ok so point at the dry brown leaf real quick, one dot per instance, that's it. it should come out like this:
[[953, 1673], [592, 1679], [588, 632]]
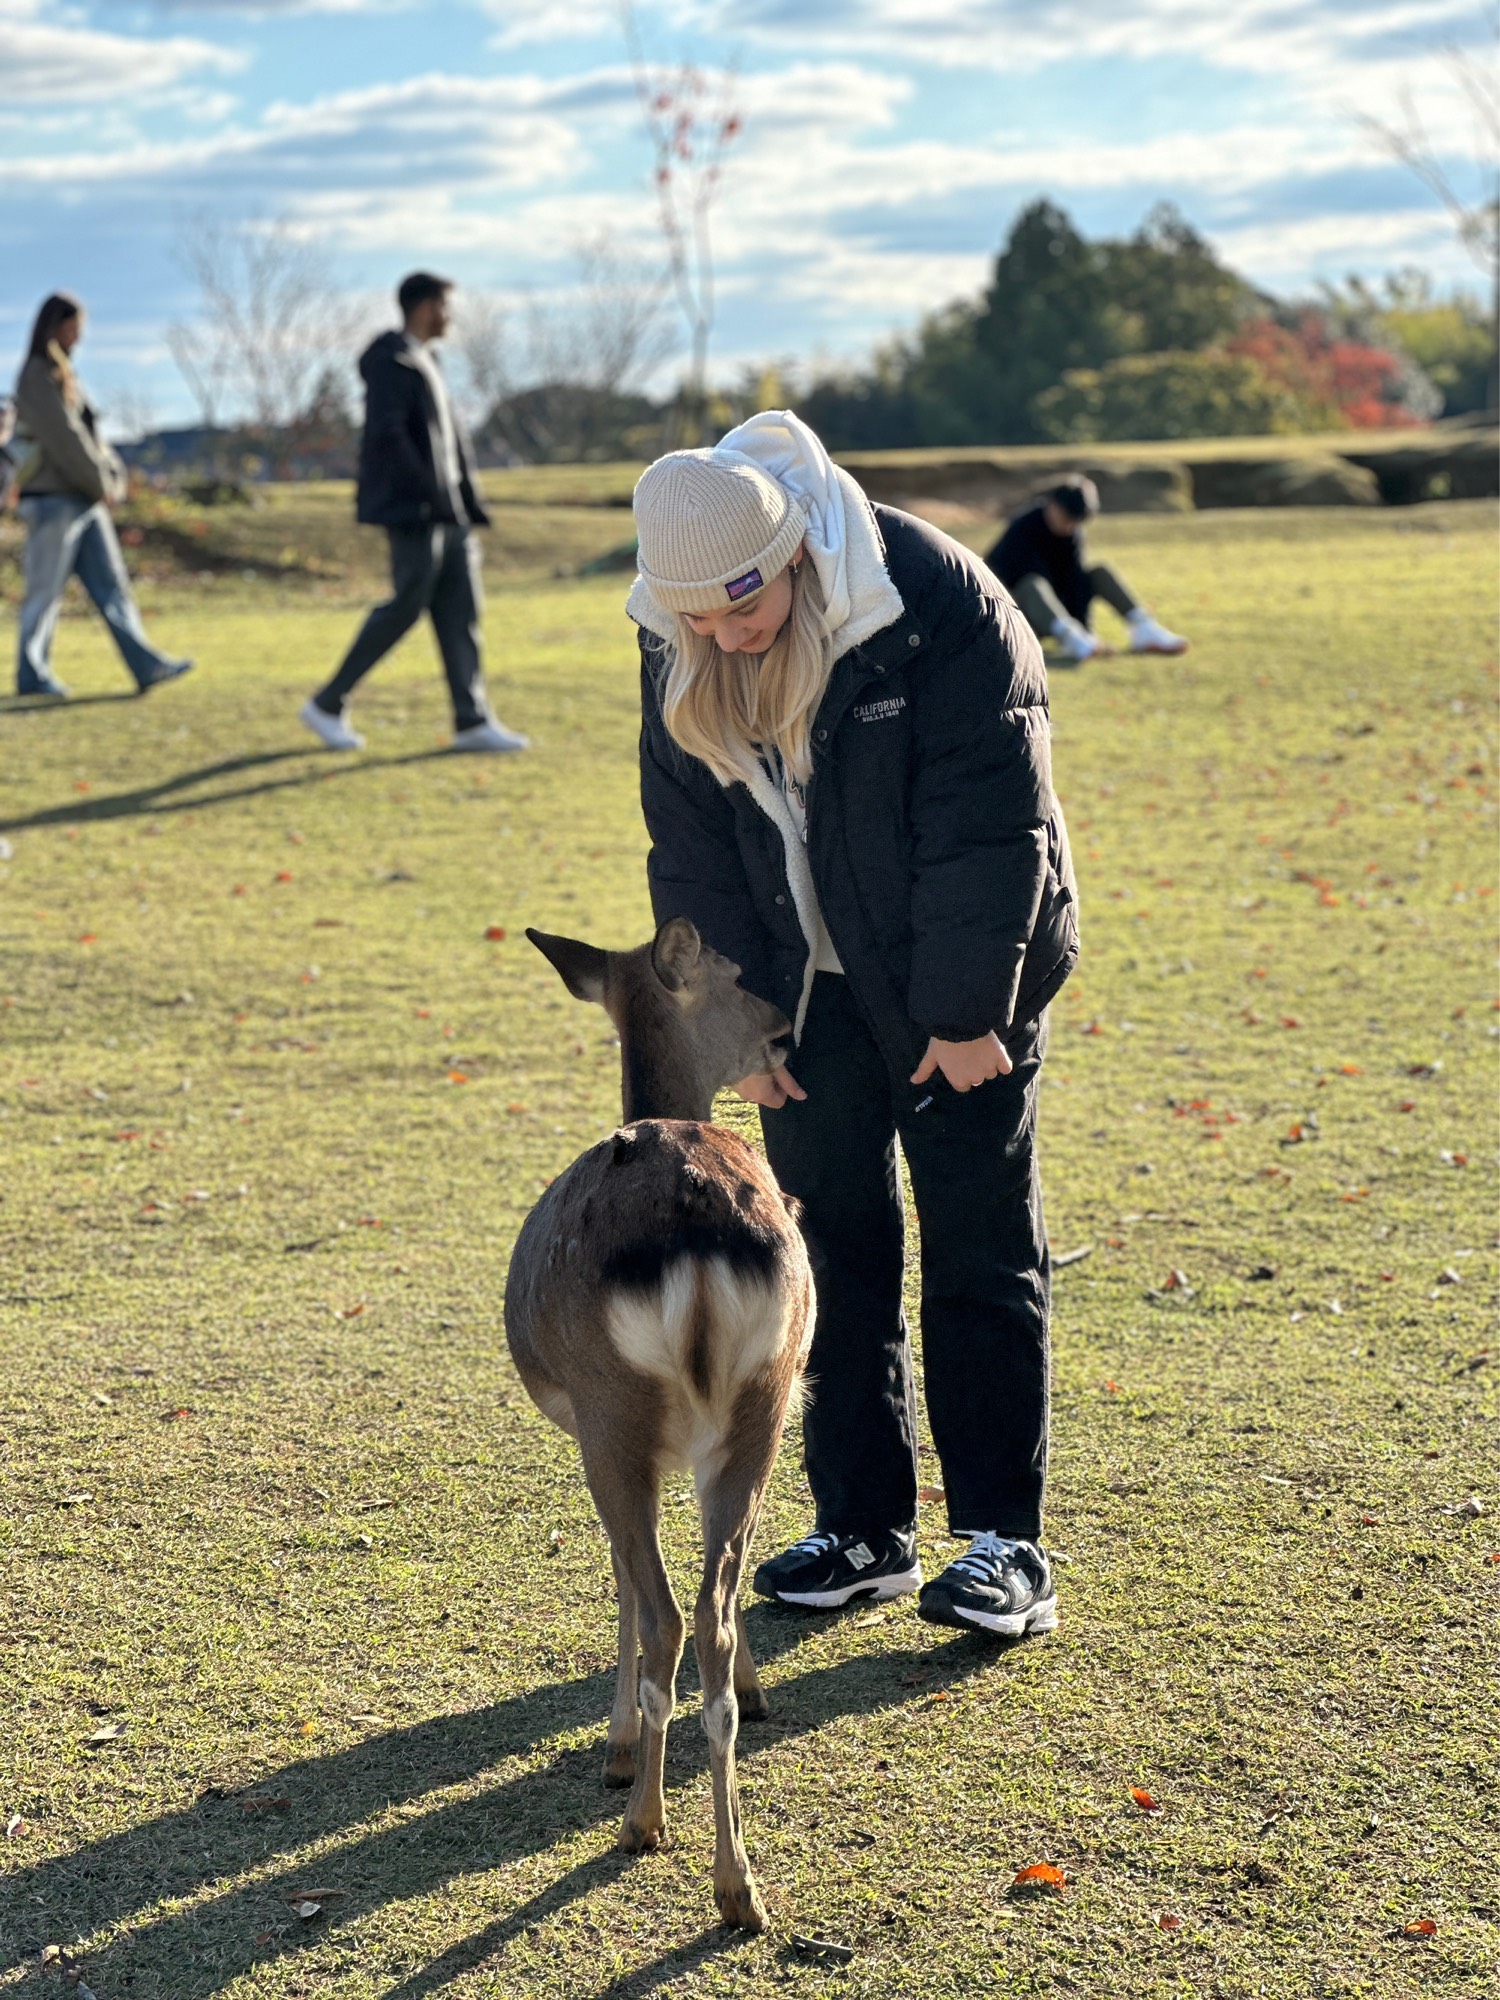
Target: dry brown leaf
[[257, 1802], [15, 1826], [1167, 1922], [1419, 1927], [931, 1496], [1144, 1800], [370, 1721], [107, 1732]]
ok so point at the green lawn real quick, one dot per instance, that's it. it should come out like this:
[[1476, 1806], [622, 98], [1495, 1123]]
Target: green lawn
[[272, 1500]]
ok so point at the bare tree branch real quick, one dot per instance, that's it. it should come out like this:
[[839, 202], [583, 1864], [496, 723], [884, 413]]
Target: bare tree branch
[[272, 334], [691, 121]]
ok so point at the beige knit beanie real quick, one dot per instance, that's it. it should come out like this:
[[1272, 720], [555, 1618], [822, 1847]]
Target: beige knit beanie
[[713, 527]]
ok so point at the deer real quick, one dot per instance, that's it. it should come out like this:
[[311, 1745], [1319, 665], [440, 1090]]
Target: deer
[[659, 1308]]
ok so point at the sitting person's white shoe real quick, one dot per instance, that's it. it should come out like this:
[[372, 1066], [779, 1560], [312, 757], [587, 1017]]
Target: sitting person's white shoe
[[1146, 636], [491, 736], [1076, 642], [332, 731]]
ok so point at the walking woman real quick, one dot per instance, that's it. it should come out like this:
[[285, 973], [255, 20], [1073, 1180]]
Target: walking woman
[[68, 482], [846, 777]]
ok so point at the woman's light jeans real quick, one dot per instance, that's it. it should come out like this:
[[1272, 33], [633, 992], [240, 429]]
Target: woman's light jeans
[[67, 535]]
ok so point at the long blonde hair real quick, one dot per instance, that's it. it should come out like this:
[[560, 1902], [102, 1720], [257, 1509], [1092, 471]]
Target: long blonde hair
[[726, 708]]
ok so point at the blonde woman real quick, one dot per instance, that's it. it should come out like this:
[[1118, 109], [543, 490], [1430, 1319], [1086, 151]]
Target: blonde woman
[[69, 480], [846, 777]]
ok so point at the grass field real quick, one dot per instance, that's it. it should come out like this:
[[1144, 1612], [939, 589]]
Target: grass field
[[300, 1594]]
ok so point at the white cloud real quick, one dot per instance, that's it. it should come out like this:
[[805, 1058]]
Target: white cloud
[[47, 59]]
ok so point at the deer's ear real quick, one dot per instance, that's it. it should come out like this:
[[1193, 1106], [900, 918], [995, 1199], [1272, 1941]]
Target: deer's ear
[[674, 952], [583, 966]]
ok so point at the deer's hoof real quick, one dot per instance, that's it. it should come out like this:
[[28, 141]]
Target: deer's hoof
[[619, 1765], [739, 1904], [753, 1705], [638, 1839]]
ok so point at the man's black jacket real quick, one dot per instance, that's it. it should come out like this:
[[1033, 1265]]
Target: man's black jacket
[[938, 851], [1029, 548], [401, 483]]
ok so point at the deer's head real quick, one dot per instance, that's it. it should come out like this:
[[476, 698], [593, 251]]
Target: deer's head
[[686, 1025]]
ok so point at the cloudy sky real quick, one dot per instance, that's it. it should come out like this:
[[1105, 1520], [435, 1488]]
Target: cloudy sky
[[886, 146]]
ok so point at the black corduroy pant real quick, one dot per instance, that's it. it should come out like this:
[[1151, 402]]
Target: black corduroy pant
[[985, 1281]]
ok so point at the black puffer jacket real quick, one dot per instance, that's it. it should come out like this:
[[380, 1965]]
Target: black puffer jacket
[[938, 851]]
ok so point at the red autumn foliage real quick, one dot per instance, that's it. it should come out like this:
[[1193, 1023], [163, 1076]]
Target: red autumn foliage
[[1347, 384]]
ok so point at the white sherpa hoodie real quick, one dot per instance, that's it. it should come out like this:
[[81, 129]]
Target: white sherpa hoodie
[[844, 547]]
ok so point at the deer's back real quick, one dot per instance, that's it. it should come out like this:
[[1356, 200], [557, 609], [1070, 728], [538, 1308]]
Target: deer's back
[[667, 1246]]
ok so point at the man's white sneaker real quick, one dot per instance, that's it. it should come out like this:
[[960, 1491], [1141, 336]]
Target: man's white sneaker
[[491, 736], [1077, 643], [331, 730], [1146, 636]]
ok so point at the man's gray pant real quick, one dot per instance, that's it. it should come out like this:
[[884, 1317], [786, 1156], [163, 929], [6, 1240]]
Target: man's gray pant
[[1043, 608], [435, 570]]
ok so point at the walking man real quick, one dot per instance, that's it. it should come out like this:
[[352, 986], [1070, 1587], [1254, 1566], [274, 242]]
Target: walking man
[[1041, 561], [416, 482]]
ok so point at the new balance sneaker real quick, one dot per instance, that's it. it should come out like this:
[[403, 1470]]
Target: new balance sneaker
[[823, 1571], [1146, 636], [332, 731], [492, 737], [1001, 1585]]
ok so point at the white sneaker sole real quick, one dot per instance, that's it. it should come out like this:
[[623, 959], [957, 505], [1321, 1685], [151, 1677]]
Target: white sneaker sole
[[1012, 1624], [879, 1589]]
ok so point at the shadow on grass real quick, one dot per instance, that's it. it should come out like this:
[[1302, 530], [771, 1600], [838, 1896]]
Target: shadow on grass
[[28, 704], [198, 1951], [156, 799]]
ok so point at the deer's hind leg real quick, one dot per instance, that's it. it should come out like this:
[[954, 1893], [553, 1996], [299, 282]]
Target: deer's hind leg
[[730, 1501], [623, 1481], [622, 1744]]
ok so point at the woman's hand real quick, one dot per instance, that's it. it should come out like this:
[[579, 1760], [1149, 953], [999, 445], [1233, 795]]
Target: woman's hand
[[966, 1064], [771, 1088]]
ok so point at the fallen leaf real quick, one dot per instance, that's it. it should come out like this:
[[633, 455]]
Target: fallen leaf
[[350, 1312], [1369, 1520], [308, 1728], [931, 1496], [457, 1076], [1040, 1875], [1167, 1922], [75, 1499], [15, 1826], [307, 1910], [1144, 1800], [1419, 1927], [369, 1721], [258, 1802], [107, 1732], [283, 875], [496, 933], [1176, 1281], [1448, 1276]]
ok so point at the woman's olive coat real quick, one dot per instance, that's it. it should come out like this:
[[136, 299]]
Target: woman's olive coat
[[937, 846]]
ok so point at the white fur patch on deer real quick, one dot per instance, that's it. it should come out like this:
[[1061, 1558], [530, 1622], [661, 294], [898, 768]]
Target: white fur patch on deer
[[659, 1307]]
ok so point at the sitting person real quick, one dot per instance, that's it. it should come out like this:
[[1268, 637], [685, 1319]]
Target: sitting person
[[1041, 561]]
